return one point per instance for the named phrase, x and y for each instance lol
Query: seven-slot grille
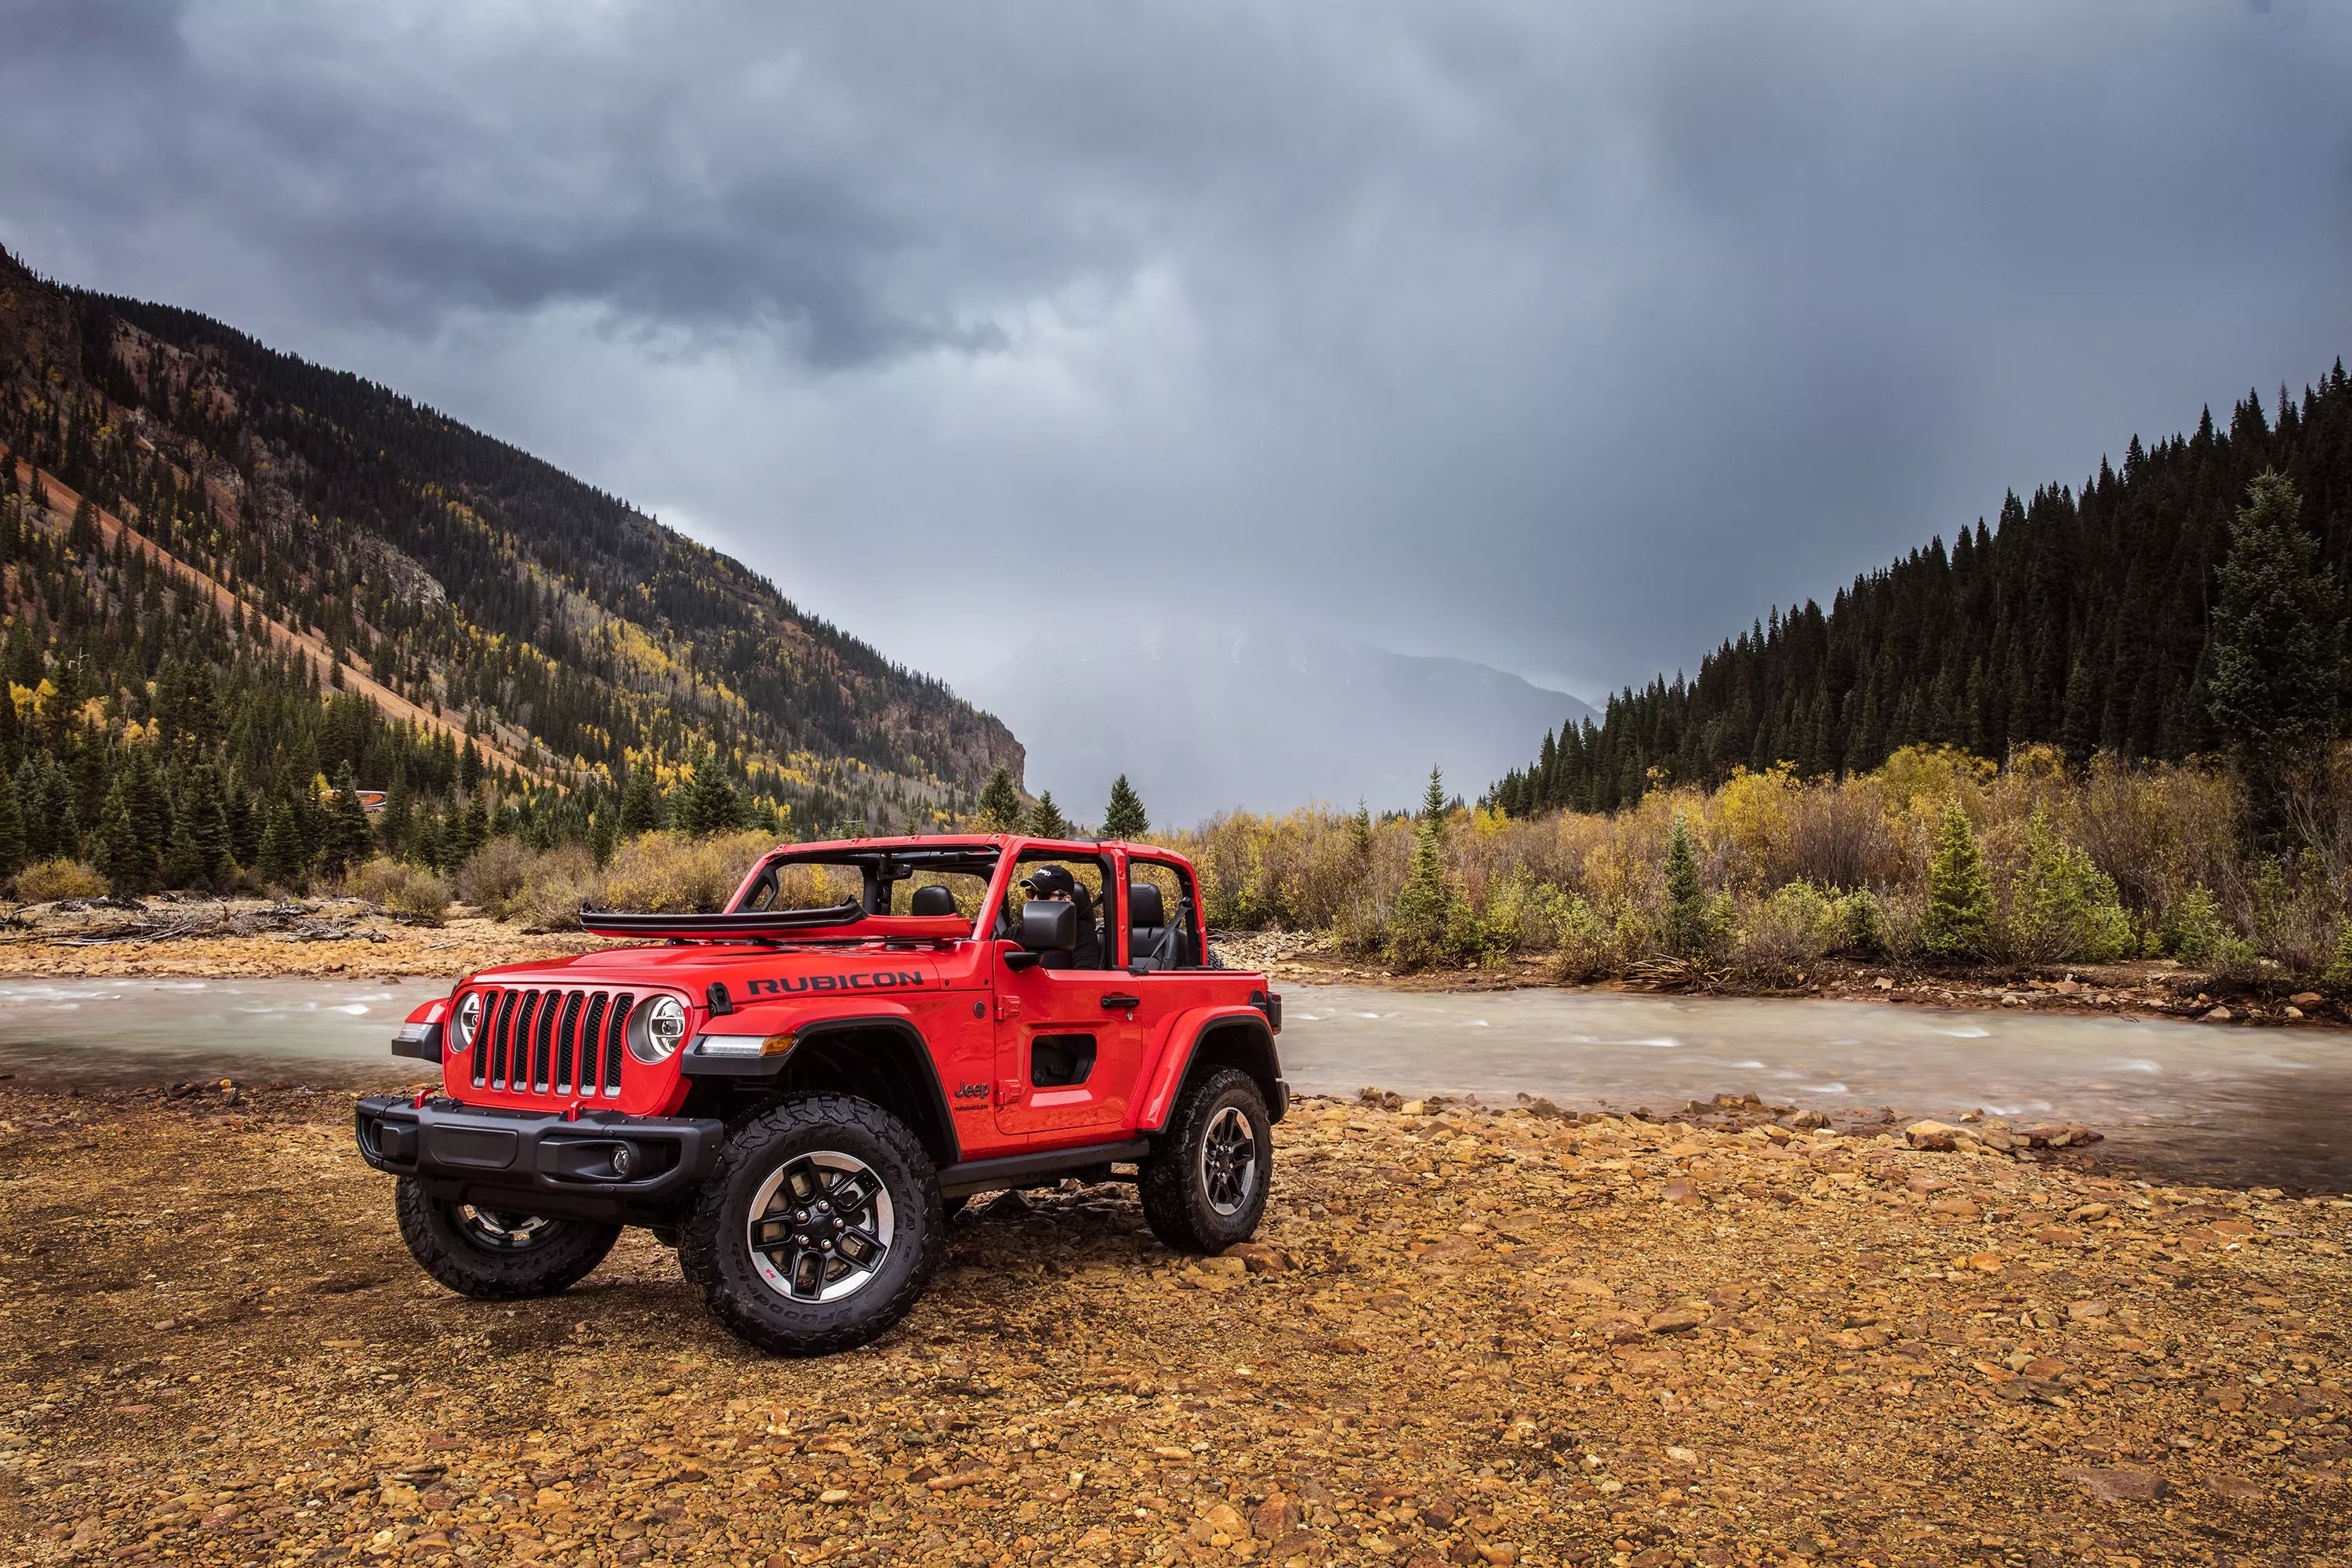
(552, 1041)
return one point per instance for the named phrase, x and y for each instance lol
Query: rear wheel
(497, 1255)
(820, 1228)
(1204, 1188)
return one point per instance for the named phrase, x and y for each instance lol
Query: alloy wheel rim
(820, 1228)
(1229, 1161)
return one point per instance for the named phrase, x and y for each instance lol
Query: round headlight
(660, 1029)
(468, 1020)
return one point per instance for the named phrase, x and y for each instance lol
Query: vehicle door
(1068, 1044)
(1166, 941)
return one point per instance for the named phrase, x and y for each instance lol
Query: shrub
(2293, 919)
(50, 880)
(1863, 928)
(2061, 907)
(1523, 915)
(1588, 945)
(1794, 926)
(2195, 932)
(412, 892)
(493, 875)
(554, 886)
(668, 873)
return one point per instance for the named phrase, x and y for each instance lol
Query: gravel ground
(1464, 1337)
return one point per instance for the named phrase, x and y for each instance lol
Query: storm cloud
(1564, 338)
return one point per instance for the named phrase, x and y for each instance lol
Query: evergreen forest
(2083, 620)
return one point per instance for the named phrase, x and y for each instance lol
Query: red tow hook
(572, 1112)
(422, 1095)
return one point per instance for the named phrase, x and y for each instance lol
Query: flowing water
(2251, 1105)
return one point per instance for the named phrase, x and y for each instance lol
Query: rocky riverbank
(2155, 988)
(218, 938)
(1513, 1337)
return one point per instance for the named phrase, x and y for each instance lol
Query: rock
(1806, 1120)
(2293, 1011)
(2118, 1485)
(1223, 1517)
(1932, 1135)
(1275, 1517)
(1955, 1208)
(2088, 1311)
(2237, 1489)
(1923, 1183)
(2090, 1213)
(1677, 1319)
(2306, 999)
(1260, 1259)
(2218, 1016)
(1986, 1262)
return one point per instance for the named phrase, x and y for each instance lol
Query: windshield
(898, 881)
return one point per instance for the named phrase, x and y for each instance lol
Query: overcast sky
(1567, 338)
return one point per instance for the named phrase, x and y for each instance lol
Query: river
(2248, 1105)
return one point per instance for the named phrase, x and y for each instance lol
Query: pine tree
(1125, 817)
(2277, 674)
(1959, 922)
(1421, 931)
(603, 835)
(1045, 819)
(279, 861)
(1359, 832)
(12, 827)
(350, 840)
(127, 861)
(395, 822)
(1686, 913)
(709, 804)
(642, 809)
(203, 818)
(1000, 805)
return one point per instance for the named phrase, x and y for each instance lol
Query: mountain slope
(1204, 718)
(2078, 620)
(451, 581)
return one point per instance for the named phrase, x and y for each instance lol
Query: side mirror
(1049, 926)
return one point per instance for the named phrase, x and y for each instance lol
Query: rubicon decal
(855, 979)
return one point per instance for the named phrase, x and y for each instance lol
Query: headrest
(1143, 906)
(932, 900)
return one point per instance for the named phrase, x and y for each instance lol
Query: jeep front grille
(551, 1042)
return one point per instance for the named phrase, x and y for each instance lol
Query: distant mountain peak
(1204, 717)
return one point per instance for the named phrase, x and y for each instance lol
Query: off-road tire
(1174, 1185)
(715, 1244)
(447, 1245)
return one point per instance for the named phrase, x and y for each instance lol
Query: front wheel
(820, 1228)
(1206, 1187)
(493, 1255)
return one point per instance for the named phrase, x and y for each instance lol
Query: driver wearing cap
(1056, 883)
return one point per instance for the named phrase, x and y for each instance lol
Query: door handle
(1115, 1003)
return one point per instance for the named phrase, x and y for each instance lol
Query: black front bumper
(602, 1166)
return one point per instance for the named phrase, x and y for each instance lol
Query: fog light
(624, 1160)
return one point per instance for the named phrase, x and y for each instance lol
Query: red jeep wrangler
(798, 1092)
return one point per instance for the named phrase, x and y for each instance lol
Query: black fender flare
(934, 1123)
